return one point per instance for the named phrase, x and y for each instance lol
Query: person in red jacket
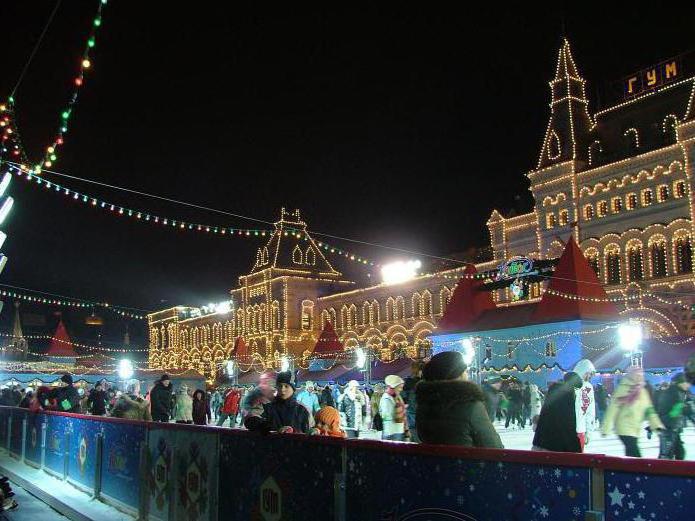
(230, 407)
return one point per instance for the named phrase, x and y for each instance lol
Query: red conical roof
(328, 342)
(61, 344)
(574, 276)
(467, 303)
(241, 350)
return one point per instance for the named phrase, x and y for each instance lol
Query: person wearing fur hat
(353, 405)
(451, 410)
(392, 410)
(284, 413)
(66, 397)
(631, 404)
(328, 423)
(160, 399)
(585, 401)
(183, 409)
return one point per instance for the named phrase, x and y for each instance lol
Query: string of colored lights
(66, 301)
(11, 136)
(73, 343)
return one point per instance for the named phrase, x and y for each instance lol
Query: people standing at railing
(630, 406)
(308, 398)
(96, 401)
(673, 409)
(392, 409)
(201, 408)
(556, 429)
(328, 423)
(131, 406)
(353, 408)
(326, 398)
(585, 402)
(160, 399)
(183, 409)
(230, 407)
(284, 414)
(66, 397)
(451, 409)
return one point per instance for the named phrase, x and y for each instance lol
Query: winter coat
(67, 399)
(585, 408)
(492, 400)
(453, 412)
(536, 401)
(97, 402)
(309, 400)
(374, 402)
(626, 419)
(201, 409)
(355, 410)
(392, 410)
(672, 408)
(183, 410)
(410, 398)
(556, 428)
(326, 398)
(281, 413)
(601, 397)
(231, 403)
(160, 399)
(131, 408)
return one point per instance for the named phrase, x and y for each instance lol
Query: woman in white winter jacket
(183, 410)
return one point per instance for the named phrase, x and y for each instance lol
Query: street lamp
(125, 369)
(630, 337)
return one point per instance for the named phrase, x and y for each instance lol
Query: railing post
(598, 507)
(66, 454)
(99, 465)
(44, 428)
(24, 437)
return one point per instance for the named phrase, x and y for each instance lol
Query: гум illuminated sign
(515, 267)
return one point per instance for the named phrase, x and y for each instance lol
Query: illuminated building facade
(621, 181)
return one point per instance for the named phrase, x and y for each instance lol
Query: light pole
(630, 337)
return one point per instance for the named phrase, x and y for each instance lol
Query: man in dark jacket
(451, 410)
(491, 388)
(97, 400)
(160, 399)
(66, 397)
(557, 424)
(284, 414)
(410, 399)
(672, 411)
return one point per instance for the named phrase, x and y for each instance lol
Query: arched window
(332, 316)
(647, 197)
(550, 220)
(592, 257)
(352, 315)
(325, 318)
(444, 296)
(554, 146)
(616, 205)
(426, 303)
(679, 189)
(261, 318)
(390, 304)
(595, 151)
(613, 264)
(631, 201)
(602, 208)
(310, 256)
(417, 304)
(683, 252)
(588, 212)
(366, 314)
(670, 128)
(634, 261)
(658, 258)
(662, 193)
(276, 315)
(564, 217)
(265, 255)
(344, 317)
(297, 256)
(376, 318)
(307, 315)
(399, 310)
(631, 140)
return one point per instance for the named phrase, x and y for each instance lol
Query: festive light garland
(74, 303)
(77, 344)
(8, 121)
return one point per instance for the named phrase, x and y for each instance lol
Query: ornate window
(683, 253)
(634, 261)
(588, 212)
(662, 193)
(657, 252)
(647, 197)
(417, 304)
(366, 314)
(352, 315)
(325, 318)
(297, 256)
(344, 317)
(564, 217)
(613, 264)
(550, 220)
(444, 297)
(375, 313)
(554, 146)
(670, 128)
(310, 256)
(332, 316)
(390, 308)
(307, 315)
(616, 205)
(535, 290)
(631, 201)
(399, 309)
(595, 151)
(592, 257)
(426, 303)
(631, 140)
(602, 208)
(679, 189)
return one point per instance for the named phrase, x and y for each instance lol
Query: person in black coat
(326, 398)
(672, 410)
(557, 424)
(201, 408)
(161, 399)
(97, 400)
(66, 397)
(284, 413)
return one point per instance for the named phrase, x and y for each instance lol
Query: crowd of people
(437, 404)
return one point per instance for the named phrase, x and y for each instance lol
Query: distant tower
(126, 337)
(19, 343)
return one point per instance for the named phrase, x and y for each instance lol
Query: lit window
(647, 197)
(684, 255)
(602, 208)
(550, 220)
(631, 201)
(588, 212)
(616, 205)
(564, 218)
(658, 254)
(613, 266)
(634, 263)
(663, 194)
(679, 189)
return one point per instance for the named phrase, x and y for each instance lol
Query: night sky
(401, 127)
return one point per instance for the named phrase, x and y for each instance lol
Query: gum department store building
(619, 179)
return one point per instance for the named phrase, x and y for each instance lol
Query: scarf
(634, 382)
(399, 412)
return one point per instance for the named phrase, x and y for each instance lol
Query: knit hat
(353, 383)
(447, 365)
(286, 377)
(164, 377)
(309, 384)
(330, 416)
(583, 367)
(678, 379)
(393, 380)
(66, 378)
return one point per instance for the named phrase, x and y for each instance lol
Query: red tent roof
(574, 276)
(467, 304)
(241, 350)
(61, 344)
(328, 342)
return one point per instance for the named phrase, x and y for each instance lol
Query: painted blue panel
(56, 427)
(4, 418)
(32, 450)
(381, 486)
(278, 477)
(16, 433)
(160, 474)
(196, 464)
(83, 451)
(121, 462)
(631, 496)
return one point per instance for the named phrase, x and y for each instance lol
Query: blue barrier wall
(168, 471)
